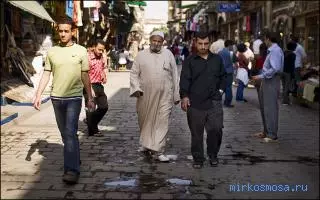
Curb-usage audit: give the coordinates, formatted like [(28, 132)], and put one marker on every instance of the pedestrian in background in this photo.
[(218, 45), (287, 76), (301, 57), (270, 88), (202, 82), (98, 76), (263, 51), (228, 66), (68, 63), (154, 81), (242, 72)]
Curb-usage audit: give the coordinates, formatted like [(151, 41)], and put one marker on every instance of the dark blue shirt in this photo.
[(227, 61)]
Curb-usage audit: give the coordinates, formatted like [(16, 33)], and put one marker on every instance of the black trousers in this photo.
[(101, 100), (212, 121)]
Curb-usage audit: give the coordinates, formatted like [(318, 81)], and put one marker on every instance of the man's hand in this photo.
[(37, 102), (104, 78), (137, 94), (91, 105), (185, 103)]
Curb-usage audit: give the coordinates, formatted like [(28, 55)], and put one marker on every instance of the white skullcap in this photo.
[(158, 33)]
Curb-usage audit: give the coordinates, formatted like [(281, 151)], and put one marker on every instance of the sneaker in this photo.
[(285, 104), (214, 162), (163, 158), (70, 177)]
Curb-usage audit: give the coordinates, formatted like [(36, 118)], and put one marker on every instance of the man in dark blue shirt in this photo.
[(202, 83), (228, 66)]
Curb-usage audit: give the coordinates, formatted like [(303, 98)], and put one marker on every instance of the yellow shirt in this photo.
[(66, 65)]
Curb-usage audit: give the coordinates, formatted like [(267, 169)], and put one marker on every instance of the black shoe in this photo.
[(70, 177), (214, 162), (229, 106), (245, 100)]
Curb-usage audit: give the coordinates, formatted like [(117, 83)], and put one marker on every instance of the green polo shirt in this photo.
[(66, 65)]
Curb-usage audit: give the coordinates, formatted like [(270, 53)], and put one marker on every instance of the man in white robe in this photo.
[(154, 81)]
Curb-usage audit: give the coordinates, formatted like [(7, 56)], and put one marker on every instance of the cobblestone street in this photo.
[(32, 155)]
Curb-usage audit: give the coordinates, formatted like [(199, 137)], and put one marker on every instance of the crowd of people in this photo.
[(207, 74)]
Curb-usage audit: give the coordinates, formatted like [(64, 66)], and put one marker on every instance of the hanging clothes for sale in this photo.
[(248, 28), (244, 23), (257, 24), (69, 8), (188, 25), (96, 15), (77, 15), (198, 28)]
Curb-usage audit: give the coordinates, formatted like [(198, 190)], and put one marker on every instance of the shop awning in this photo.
[(34, 8), (137, 3)]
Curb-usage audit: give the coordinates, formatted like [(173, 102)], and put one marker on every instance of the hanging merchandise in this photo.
[(77, 14), (193, 26), (248, 28), (198, 28), (244, 23), (96, 15), (69, 8), (188, 25), (257, 24)]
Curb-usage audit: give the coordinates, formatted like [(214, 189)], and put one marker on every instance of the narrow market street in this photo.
[(32, 155)]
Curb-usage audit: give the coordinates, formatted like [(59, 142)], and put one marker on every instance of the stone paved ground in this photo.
[(32, 162)]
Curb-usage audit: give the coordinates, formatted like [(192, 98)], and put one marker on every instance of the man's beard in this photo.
[(155, 48)]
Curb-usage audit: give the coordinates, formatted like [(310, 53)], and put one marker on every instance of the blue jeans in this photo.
[(228, 93), (240, 89), (67, 113)]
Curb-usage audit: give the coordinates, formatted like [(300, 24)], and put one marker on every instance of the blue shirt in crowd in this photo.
[(227, 61), (300, 55), (273, 63)]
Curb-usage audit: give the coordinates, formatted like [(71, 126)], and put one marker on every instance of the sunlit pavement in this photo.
[(32, 161)]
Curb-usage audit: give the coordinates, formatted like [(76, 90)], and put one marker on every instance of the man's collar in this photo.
[(274, 45), (93, 56), (209, 55)]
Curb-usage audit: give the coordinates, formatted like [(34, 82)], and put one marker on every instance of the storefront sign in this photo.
[(228, 7)]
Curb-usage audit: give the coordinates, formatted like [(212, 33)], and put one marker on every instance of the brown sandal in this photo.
[(260, 135)]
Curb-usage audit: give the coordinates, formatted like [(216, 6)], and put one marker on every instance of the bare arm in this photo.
[(42, 85), (87, 84)]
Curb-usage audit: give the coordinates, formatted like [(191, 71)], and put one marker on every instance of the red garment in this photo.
[(248, 28), (243, 61), (75, 11), (260, 61), (96, 66)]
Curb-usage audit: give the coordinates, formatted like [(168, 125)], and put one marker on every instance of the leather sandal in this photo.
[(260, 135)]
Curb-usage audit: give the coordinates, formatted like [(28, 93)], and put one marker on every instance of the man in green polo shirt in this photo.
[(68, 63)]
